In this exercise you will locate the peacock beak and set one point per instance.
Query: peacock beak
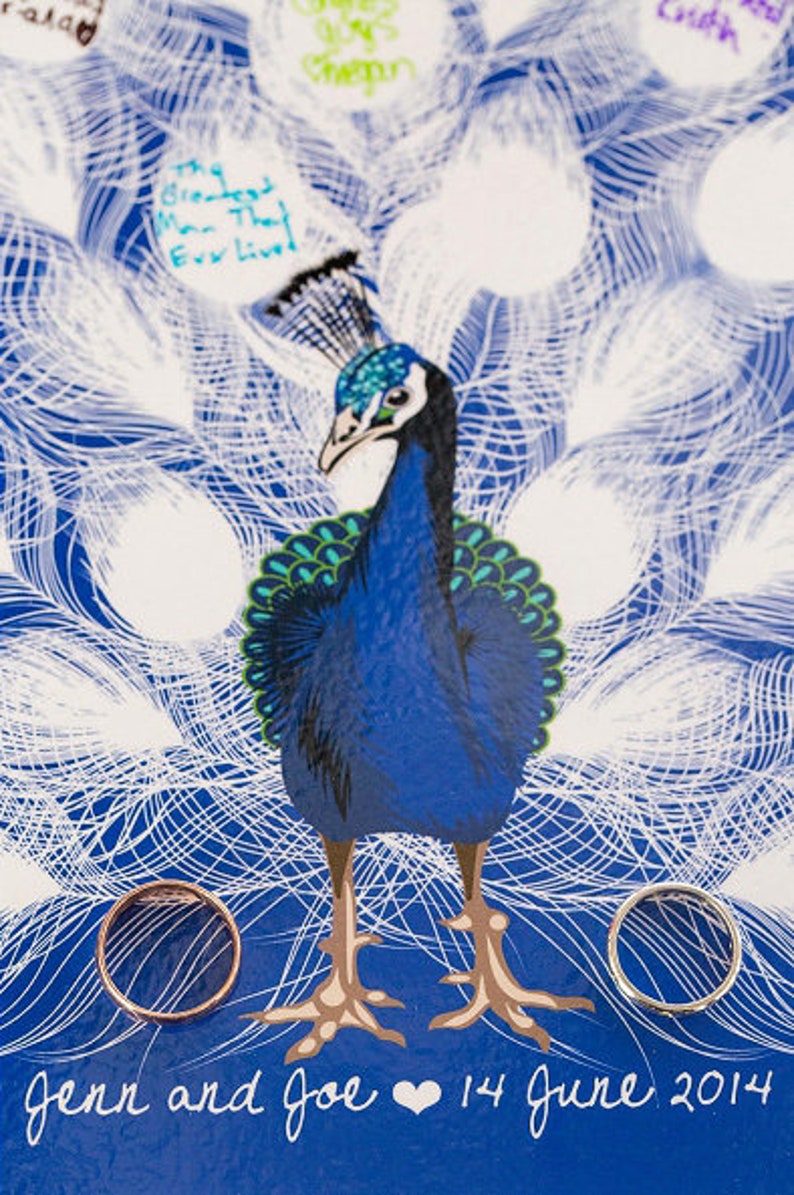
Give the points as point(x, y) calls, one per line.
point(348, 432)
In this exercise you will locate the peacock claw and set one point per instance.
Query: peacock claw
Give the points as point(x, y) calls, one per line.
point(339, 1002)
point(495, 987)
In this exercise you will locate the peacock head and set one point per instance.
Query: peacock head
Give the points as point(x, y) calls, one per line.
point(377, 394)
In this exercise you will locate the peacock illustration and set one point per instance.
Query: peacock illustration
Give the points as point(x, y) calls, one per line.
point(404, 660)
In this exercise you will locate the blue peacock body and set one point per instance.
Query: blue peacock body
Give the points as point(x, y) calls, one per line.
point(405, 660)
point(315, 558)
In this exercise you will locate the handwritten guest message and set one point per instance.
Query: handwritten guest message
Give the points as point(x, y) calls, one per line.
point(48, 30)
point(228, 227)
point(538, 1097)
point(353, 43)
point(360, 53)
point(711, 42)
point(716, 22)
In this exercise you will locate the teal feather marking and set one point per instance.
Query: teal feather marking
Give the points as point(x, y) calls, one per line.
point(303, 574)
point(552, 681)
point(255, 676)
point(318, 556)
point(540, 740)
point(463, 557)
point(279, 564)
point(263, 590)
point(551, 625)
point(497, 550)
point(334, 553)
point(354, 523)
point(255, 617)
point(523, 571)
point(331, 530)
point(486, 572)
point(543, 595)
point(304, 546)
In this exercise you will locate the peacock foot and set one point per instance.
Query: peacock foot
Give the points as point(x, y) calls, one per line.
point(495, 987)
point(339, 1002)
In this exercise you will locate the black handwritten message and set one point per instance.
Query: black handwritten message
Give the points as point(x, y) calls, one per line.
point(75, 22)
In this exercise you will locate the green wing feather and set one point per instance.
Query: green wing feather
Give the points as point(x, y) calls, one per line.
point(481, 561)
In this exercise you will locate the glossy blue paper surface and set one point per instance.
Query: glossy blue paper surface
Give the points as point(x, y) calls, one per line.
point(638, 368)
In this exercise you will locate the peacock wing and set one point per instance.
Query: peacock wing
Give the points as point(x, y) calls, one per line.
point(508, 628)
point(285, 612)
point(505, 613)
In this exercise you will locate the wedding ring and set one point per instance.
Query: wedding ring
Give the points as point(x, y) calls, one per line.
point(181, 891)
point(709, 904)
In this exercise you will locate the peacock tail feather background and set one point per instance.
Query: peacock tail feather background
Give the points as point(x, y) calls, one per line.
point(625, 417)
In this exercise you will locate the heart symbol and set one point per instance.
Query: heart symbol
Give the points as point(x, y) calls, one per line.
point(86, 32)
point(414, 1097)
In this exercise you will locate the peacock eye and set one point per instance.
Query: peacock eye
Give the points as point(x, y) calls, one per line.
point(397, 397)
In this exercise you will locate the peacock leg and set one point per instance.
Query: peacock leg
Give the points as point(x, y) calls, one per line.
point(340, 1001)
point(495, 987)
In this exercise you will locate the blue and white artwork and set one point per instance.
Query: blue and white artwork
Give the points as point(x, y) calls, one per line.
point(581, 214)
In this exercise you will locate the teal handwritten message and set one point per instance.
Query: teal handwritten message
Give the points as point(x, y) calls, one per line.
point(208, 221)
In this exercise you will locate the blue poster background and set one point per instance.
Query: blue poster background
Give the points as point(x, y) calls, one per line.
point(709, 1106)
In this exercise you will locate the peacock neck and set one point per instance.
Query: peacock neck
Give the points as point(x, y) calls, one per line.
point(409, 543)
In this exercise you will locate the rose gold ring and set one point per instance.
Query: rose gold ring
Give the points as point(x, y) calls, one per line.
point(178, 890)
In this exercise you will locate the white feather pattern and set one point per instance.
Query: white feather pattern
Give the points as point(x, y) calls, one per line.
point(40, 174)
point(22, 883)
point(682, 711)
point(662, 358)
point(60, 701)
point(593, 543)
point(755, 552)
point(423, 301)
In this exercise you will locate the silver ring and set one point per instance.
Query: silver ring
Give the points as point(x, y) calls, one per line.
point(667, 1008)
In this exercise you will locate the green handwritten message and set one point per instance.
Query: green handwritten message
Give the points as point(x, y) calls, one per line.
point(355, 44)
